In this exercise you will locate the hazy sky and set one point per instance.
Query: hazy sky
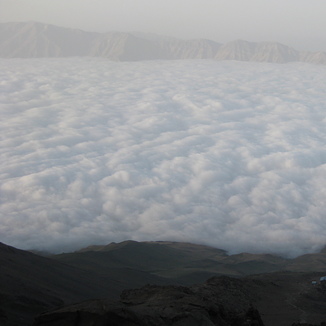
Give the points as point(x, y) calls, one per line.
point(298, 23)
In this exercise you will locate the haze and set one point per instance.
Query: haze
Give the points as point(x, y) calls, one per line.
point(297, 23)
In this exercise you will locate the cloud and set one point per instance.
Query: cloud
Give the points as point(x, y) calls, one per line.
point(228, 154)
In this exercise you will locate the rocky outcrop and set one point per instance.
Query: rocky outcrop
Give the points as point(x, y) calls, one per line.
point(164, 305)
point(34, 40)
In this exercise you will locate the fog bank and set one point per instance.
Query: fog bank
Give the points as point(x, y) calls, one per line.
point(228, 154)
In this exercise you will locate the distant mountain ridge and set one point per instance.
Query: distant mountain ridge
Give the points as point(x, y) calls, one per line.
point(37, 40)
point(170, 259)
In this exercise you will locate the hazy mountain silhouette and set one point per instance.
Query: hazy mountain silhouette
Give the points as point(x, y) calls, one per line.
point(34, 40)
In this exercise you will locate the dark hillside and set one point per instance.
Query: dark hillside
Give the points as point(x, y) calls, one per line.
point(30, 284)
point(185, 262)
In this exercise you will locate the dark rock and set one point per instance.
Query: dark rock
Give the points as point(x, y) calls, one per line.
point(3, 316)
point(156, 305)
point(306, 324)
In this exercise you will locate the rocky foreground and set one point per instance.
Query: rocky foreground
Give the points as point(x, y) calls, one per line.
point(222, 301)
point(165, 305)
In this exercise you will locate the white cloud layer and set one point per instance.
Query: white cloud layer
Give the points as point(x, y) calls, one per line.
point(228, 154)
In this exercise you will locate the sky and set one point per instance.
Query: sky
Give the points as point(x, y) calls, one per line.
point(228, 154)
point(297, 23)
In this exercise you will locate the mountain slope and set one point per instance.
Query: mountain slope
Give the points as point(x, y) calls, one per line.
point(185, 262)
point(236, 50)
point(274, 52)
point(124, 47)
point(182, 262)
point(32, 40)
point(30, 284)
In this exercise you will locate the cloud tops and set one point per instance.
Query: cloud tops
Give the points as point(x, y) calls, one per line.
point(228, 154)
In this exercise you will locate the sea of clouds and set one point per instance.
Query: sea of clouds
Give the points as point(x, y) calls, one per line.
point(227, 154)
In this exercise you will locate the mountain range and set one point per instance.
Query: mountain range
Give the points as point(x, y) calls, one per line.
point(31, 284)
point(36, 40)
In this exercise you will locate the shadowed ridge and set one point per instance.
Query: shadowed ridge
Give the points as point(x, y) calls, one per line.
point(131, 254)
point(6, 248)
point(30, 284)
point(180, 262)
